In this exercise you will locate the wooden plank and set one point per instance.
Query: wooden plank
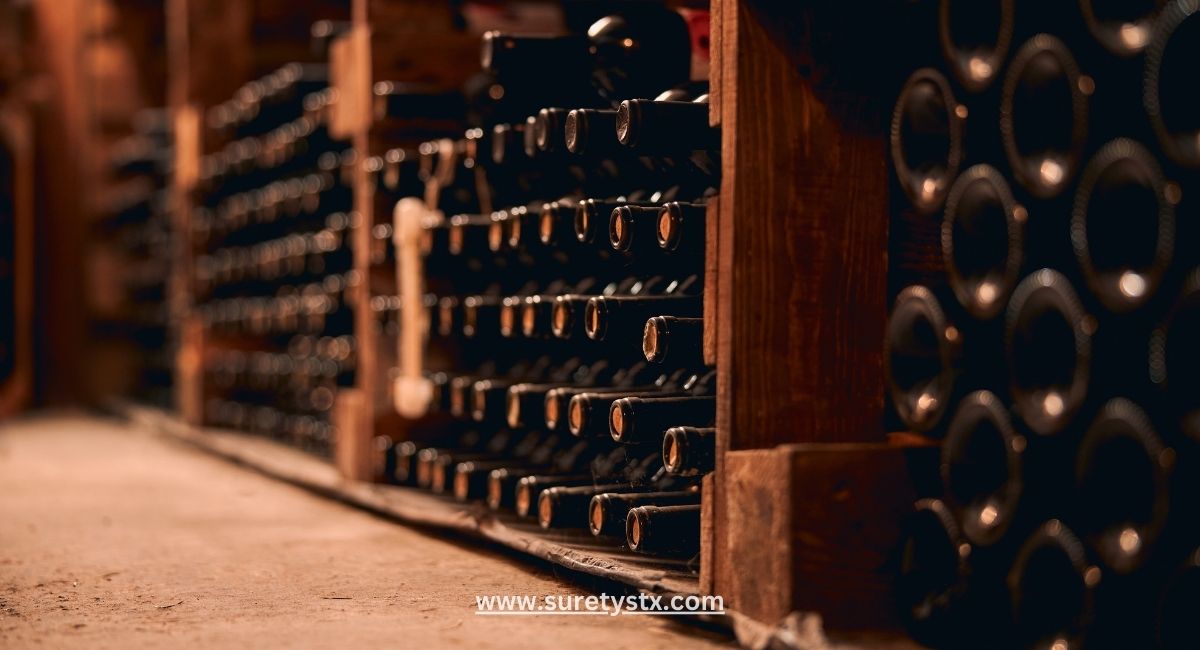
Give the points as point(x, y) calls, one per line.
point(822, 521)
point(756, 531)
point(712, 279)
point(805, 188)
point(15, 134)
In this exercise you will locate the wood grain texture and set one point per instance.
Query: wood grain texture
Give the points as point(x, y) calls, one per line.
point(814, 527)
point(15, 131)
point(805, 187)
point(757, 579)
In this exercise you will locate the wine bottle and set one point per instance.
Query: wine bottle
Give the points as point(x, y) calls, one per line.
point(664, 530)
point(1175, 359)
point(932, 585)
point(1044, 115)
point(666, 127)
point(926, 139)
point(608, 511)
point(1124, 28)
point(1123, 226)
point(674, 341)
point(921, 359)
point(983, 468)
point(1175, 624)
point(689, 451)
point(1048, 340)
point(975, 39)
point(624, 317)
point(1123, 476)
point(681, 228)
point(1051, 586)
point(592, 131)
point(982, 241)
point(632, 228)
point(636, 420)
point(592, 215)
point(1170, 101)
point(529, 488)
point(567, 507)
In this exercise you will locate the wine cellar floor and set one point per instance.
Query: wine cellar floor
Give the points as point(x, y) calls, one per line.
point(113, 537)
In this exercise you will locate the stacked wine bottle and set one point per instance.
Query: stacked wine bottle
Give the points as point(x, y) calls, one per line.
point(274, 264)
point(1044, 250)
point(138, 222)
point(563, 265)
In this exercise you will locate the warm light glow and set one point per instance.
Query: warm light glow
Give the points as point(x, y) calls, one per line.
point(494, 497)
point(929, 188)
point(593, 319)
point(1060, 644)
point(514, 409)
point(616, 419)
point(650, 340)
point(523, 497)
point(1130, 541)
point(496, 235)
point(989, 515)
point(546, 227)
point(552, 414)
point(529, 320)
point(545, 510)
point(575, 415)
point(925, 403)
point(1052, 404)
point(1051, 171)
point(980, 68)
point(671, 452)
point(1133, 35)
point(561, 317)
point(986, 293)
point(596, 516)
point(1132, 284)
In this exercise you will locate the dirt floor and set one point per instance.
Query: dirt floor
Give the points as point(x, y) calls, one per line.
point(113, 538)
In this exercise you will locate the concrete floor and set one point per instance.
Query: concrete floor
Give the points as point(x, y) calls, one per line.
point(114, 538)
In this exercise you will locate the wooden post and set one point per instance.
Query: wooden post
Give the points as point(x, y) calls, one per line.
point(807, 494)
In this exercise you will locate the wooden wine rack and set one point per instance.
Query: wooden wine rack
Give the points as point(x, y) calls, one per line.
point(804, 508)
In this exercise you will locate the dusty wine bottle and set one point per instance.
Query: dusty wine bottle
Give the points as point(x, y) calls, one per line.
point(975, 38)
point(921, 359)
point(689, 451)
point(1048, 342)
point(636, 420)
point(681, 228)
point(926, 139)
point(591, 131)
point(1175, 358)
point(675, 341)
point(567, 507)
point(632, 227)
point(982, 468)
point(1170, 98)
point(1052, 588)
point(1123, 225)
point(586, 409)
point(1044, 115)
point(931, 586)
point(607, 512)
point(1123, 478)
point(624, 317)
point(982, 241)
point(664, 530)
point(529, 488)
point(666, 127)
